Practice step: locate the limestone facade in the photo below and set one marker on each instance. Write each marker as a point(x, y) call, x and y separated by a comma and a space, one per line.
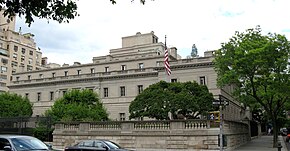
point(120, 76)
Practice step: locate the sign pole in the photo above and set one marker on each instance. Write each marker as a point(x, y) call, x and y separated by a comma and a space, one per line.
point(221, 128)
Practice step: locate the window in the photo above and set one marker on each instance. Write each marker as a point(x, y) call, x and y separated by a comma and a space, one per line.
point(92, 70)
point(106, 69)
point(65, 73)
point(40, 75)
point(51, 95)
point(140, 89)
point(14, 64)
point(27, 95)
point(173, 80)
point(23, 50)
point(29, 77)
point(4, 61)
point(15, 48)
point(63, 92)
point(22, 58)
point(122, 91)
point(4, 142)
point(30, 61)
point(38, 96)
point(141, 65)
point(29, 67)
point(123, 67)
point(79, 72)
point(14, 56)
point(106, 92)
point(17, 78)
point(31, 52)
point(53, 74)
point(3, 77)
point(122, 116)
point(3, 69)
point(202, 80)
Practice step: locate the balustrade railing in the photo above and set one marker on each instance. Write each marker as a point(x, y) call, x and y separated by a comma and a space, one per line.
point(152, 125)
point(105, 125)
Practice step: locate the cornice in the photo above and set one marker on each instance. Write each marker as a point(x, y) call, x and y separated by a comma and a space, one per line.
point(84, 80)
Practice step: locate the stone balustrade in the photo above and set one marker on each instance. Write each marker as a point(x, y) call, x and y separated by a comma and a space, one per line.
point(153, 135)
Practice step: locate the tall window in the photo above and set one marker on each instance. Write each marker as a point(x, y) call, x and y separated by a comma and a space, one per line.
point(30, 60)
point(53, 74)
point(40, 75)
point(38, 96)
point(106, 69)
point(140, 89)
point(29, 77)
point(92, 70)
point(141, 65)
point(14, 56)
point(79, 72)
point(51, 96)
point(27, 95)
point(123, 67)
point(23, 50)
point(65, 73)
point(106, 92)
point(202, 80)
point(122, 116)
point(122, 91)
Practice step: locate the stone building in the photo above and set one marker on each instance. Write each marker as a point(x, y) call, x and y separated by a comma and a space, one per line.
point(120, 76)
point(18, 51)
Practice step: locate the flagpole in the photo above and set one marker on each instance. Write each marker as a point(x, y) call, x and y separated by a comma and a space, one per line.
point(166, 63)
point(165, 71)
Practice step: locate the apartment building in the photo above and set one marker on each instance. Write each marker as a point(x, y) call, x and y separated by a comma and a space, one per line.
point(120, 76)
point(18, 51)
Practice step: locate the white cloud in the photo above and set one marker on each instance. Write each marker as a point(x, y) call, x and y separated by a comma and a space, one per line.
point(206, 23)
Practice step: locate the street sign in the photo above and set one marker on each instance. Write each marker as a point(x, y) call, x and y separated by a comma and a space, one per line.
point(218, 102)
point(221, 101)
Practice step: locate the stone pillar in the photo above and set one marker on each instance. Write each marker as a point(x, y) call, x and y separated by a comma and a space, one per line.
point(84, 127)
point(127, 127)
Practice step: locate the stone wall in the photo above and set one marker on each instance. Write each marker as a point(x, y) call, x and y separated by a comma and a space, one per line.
point(154, 135)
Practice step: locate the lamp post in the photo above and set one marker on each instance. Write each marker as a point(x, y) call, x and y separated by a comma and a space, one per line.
point(221, 102)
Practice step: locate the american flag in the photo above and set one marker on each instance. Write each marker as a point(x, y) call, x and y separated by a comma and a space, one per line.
point(166, 62)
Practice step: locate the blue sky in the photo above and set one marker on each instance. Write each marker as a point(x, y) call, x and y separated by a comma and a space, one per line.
point(206, 23)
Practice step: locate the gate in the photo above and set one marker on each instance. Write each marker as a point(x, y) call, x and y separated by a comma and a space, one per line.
point(40, 127)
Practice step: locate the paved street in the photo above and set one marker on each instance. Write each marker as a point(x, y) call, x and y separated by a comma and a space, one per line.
point(263, 143)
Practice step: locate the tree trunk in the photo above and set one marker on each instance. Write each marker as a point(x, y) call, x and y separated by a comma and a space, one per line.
point(275, 133)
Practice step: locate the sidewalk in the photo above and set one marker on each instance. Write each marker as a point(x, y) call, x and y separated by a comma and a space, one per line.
point(262, 143)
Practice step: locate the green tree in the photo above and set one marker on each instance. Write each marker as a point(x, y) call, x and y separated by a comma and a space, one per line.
point(259, 66)
point(188, 99)
point(61, 11)
point(78, 105)
point(13, 105)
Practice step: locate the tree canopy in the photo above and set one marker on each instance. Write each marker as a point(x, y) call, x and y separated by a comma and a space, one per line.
point(61, 11)
point(187, 99)
point(14, 105)
point(259, 66)
point(78, 105)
